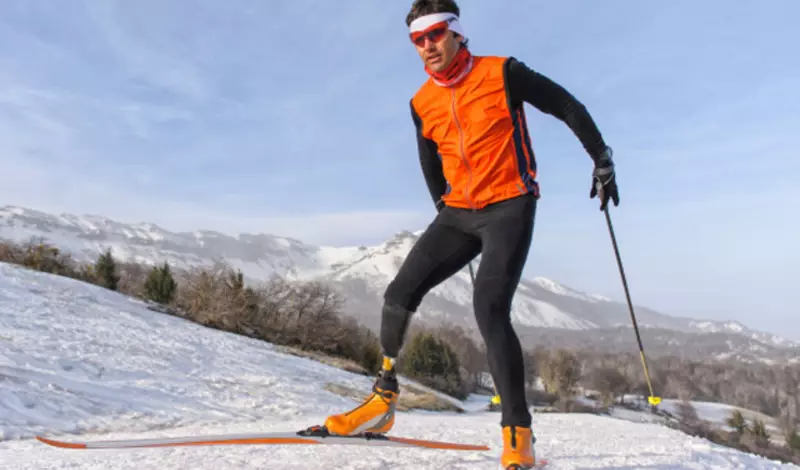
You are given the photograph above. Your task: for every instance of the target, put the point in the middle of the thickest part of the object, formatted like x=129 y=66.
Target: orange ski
x=311 y=436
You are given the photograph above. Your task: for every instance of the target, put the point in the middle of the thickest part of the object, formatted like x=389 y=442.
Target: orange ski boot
x=518 y=450
x=375 y=414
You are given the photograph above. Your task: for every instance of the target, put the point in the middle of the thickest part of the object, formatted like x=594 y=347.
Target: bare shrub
x=609 y=382
x=560 y=371
x=132 y=277
x=212 y=298
x=9 y=252
x=42 y=256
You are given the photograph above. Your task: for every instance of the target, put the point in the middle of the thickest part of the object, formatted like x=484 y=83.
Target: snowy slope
x=77 y=358
x=716 y=414
x=363 y=272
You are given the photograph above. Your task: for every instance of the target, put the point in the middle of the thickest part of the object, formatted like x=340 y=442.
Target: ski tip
x=62 y=444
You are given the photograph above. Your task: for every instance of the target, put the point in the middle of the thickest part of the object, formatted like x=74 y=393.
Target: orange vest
x=484 y=145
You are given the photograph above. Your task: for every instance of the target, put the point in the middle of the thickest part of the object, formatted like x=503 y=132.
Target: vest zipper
x=461 y=145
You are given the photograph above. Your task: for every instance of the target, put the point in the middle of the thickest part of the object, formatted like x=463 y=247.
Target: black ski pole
x=472 y=274
x=652 y=399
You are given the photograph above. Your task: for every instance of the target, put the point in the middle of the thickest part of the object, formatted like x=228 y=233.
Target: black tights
x=501 y=233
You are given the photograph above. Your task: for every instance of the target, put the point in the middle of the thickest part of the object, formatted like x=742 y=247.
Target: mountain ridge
x=361 y=273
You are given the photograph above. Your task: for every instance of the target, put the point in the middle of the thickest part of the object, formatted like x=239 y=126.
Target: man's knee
x=492 y=298
x=403 y=292
x=400 y=301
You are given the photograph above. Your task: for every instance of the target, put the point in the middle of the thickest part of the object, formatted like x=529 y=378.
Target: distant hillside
x=544 y=310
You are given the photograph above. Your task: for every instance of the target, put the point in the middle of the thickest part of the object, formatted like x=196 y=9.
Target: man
x=479 y=165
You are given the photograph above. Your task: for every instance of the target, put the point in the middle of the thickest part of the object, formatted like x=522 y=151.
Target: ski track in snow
x=78 y=359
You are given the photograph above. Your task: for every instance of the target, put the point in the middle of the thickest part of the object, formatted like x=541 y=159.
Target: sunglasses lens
x=435 y=35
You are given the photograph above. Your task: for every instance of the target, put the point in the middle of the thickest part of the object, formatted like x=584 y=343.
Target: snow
x=718 y=414
x=560 y=289
x=533 y=312
x=715 y=413
x=76 y=358
x=551 y=285
x=14 y=210
x=600 y=298
x=738 y=328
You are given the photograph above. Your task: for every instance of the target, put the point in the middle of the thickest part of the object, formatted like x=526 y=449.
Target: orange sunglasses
x=434 y=32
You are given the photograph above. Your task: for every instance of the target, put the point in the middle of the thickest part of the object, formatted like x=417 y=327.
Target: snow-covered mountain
x=541 y=306
x=79 y=362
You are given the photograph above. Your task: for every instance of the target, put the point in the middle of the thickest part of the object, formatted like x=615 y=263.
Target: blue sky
x=291 y=117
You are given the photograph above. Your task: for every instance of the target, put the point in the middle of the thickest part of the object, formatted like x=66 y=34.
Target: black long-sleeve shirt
x=523 y=85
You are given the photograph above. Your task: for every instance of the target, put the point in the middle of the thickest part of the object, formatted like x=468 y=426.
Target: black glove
x=604 y=180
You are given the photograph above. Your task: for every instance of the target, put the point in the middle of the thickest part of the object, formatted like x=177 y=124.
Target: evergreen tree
x=160 y=286
x=434 y=363
x=793 y=441
x=106 y=270
x=759 y=429
x=737 y=422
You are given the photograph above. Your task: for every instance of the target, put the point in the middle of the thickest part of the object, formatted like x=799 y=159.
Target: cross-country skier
x=479 y=165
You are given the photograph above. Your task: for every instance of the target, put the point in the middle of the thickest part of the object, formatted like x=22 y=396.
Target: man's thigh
x=506 y=233
x=441 y=251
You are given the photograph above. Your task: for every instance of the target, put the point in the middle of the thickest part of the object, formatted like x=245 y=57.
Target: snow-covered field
x=715 y=413
x=76 y=358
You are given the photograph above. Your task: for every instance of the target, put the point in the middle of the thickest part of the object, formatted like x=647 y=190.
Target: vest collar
x=459 y=68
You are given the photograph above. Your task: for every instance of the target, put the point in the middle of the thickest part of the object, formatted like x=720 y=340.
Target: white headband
x=424 y=22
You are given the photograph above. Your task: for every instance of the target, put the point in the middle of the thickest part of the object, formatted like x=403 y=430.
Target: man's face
x=437 y=50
